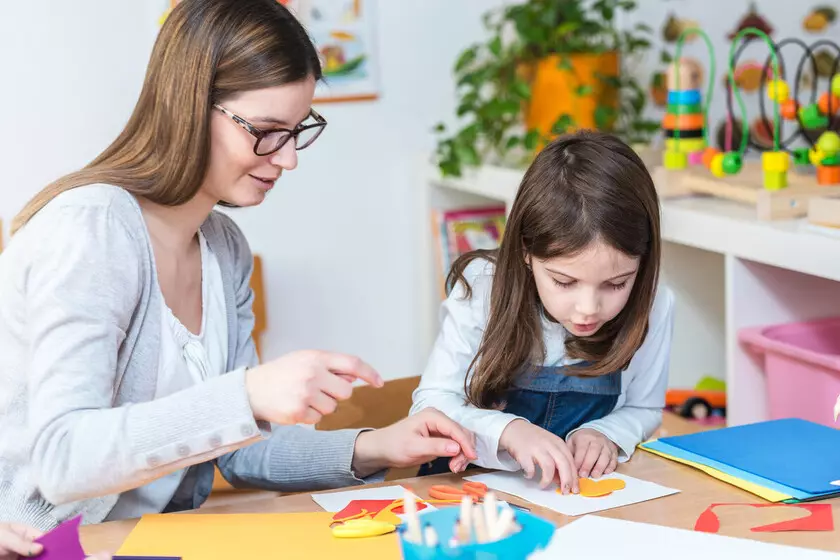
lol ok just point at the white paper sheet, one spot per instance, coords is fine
(572, 504)
(600, 537)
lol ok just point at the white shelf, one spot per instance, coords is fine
(728, 269)
(707, 223)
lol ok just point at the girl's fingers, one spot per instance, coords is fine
(602, 463)
(546, 462)
(592, 455)
(11, 541)
(565, 470)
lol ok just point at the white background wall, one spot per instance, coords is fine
(336, 235)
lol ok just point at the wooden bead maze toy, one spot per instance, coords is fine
(764, 183)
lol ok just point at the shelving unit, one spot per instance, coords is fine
(728, 269)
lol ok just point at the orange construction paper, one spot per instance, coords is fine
(374, 509)
(596, 488)
(820, 519)
(290, 536)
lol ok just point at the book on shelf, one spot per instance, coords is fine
(459, 231)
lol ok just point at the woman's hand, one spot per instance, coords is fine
(18, 541)
(594, 453)
(532, 446)
(301, 387)
(412, 441)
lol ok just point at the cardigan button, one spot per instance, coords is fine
(247, 430)
(215, 441)
(153, 460)
(183, 450)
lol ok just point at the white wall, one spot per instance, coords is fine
(336, 235)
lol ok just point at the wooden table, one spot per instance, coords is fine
(697, 492)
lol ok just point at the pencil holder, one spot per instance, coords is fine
(533, 534)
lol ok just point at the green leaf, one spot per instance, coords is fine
(467, 153)
(465, 59)
(564, 63)
(562, 124)
(440, 127)
(495, 46)
(665, 57)
(644, 28)
(603, 116)
(521, 88)
(512, 142)
(531, 140)
(567, 27)
(580, 91)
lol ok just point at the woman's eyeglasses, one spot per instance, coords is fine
(269, 141)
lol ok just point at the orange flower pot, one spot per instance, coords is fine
(554, 90)
(828, 175)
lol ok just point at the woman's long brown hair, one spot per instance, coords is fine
(581, 187)
(207, 51)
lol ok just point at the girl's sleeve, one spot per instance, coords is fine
(82, 290)
(641, 414)
(462, 323)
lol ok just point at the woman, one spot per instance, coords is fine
(126, 359)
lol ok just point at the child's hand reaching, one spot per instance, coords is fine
(18, 541)
(594, 453)
(532, 446)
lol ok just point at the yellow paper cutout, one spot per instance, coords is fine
(290, 536)
(760, 491)
(596, 488)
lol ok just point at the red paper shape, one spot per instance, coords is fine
(62, 543)
(821, 519)
(372, 507)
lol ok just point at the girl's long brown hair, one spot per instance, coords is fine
(581, 187)
(207, 51)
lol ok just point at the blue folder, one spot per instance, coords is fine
(792, 452)
(659, 445)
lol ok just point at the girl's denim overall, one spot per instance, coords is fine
(554, 401)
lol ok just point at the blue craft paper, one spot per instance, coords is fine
(737, 473)
(791, 451)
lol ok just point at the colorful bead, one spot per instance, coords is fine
(835, 85)
(833, 159)
(732, 163)
(828, 174)
(777, 162)
(680, 109)
(829, 143)
(800, 156)
(675, 160)
(775, 180)
(708, 154)
(695, 158)
(687, 145)
(816, 156)
(778, 90)
(788, 109)
(827, 99)
(716, 166)
(687, 97)
(812, 118)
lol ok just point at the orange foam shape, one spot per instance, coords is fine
(596, 488)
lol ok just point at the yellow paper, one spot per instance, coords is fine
(289, 536)
(760, 491)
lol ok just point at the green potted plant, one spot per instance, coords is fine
(548, 66)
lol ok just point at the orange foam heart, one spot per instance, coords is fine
(596, 488)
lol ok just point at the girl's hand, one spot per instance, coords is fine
(412, 441)
(301, 387)
(18, 540)
(532, 446)
(594, 453)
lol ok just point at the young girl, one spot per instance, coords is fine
(554, 349)
(127, 367)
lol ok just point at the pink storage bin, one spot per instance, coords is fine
(802, 365)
